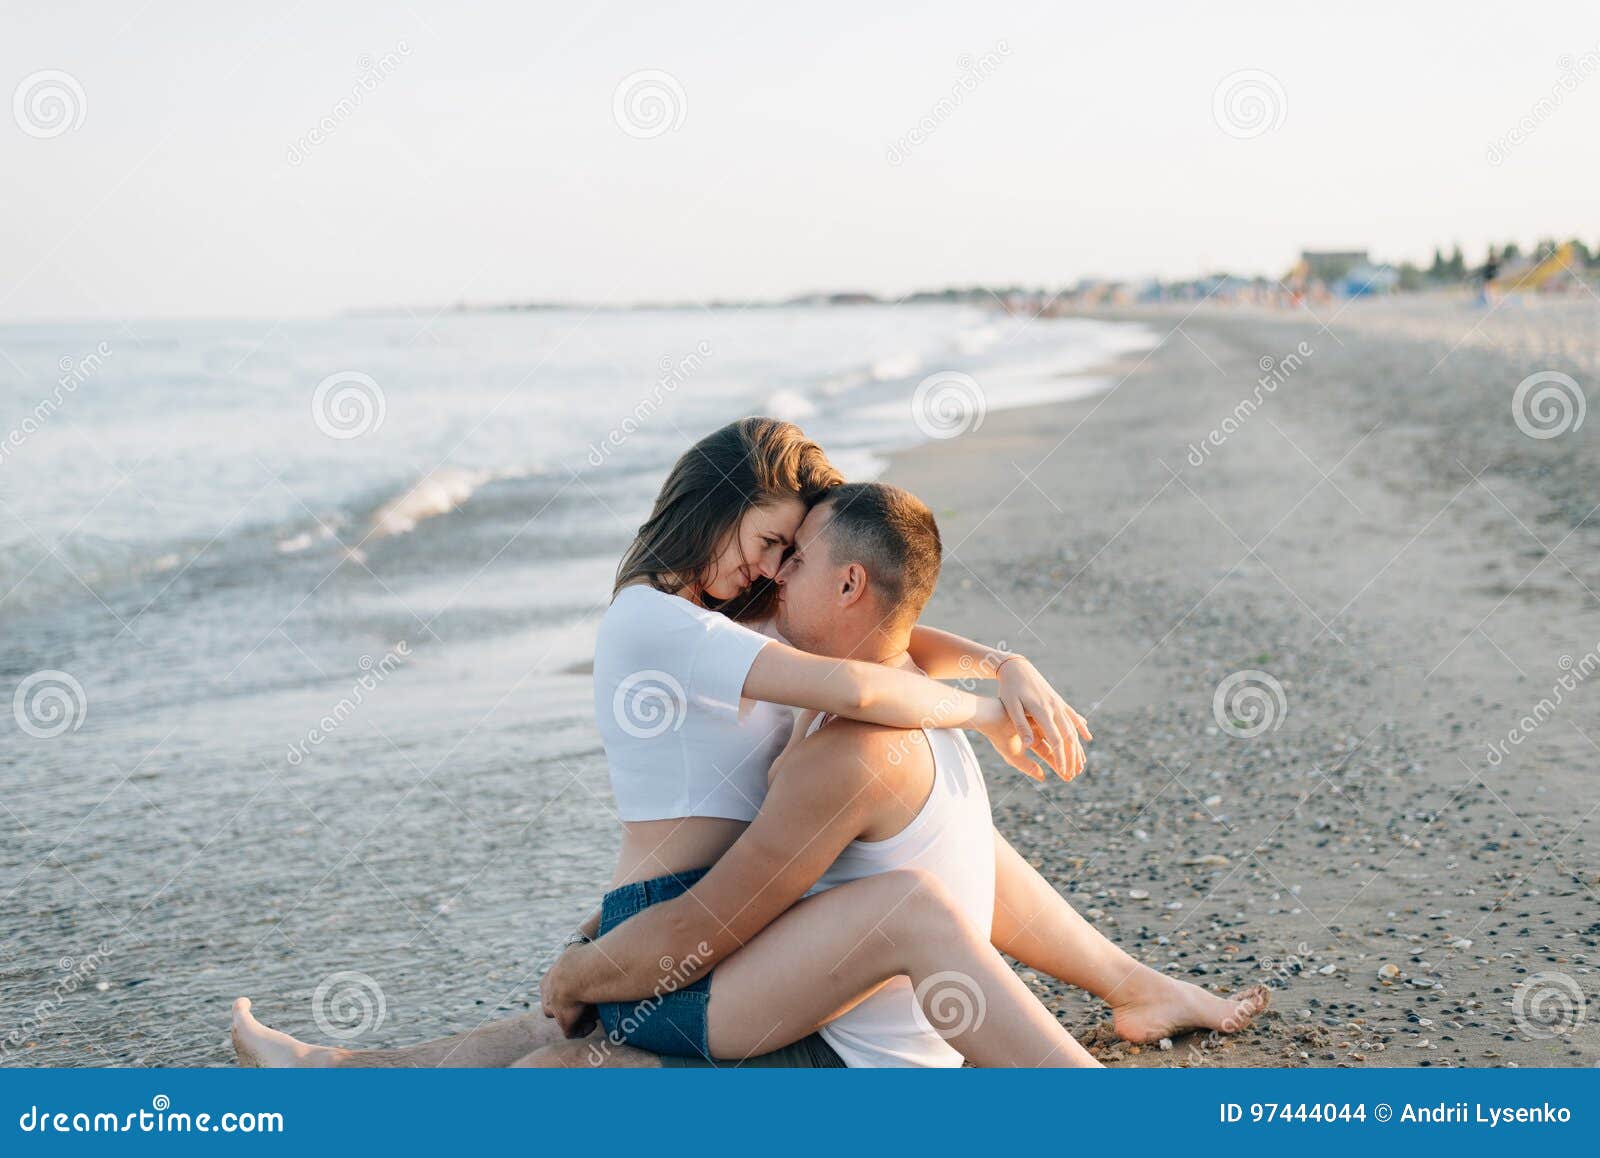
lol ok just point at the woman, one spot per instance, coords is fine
(692, 705)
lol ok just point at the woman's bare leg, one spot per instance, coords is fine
(492, 1045)
(827, 952)
(1034, 924)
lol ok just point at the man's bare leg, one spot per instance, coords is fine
(491, 1045)
(1034, 924)
(592, 1052)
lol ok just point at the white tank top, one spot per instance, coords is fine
(953, 838)
(680, 740)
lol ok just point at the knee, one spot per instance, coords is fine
(922, 902)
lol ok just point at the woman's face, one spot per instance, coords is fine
(755, 549)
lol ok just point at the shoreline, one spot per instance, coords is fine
(1410, 609)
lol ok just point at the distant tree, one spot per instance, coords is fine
(1457, 266)
(1490, 257)
(1511, 252)
(1437, 270)
(1411, 277)
(1545, 248)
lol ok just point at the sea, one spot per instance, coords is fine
(295, 626)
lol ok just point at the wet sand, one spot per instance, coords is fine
(1381, 539)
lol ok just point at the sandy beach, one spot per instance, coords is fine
(1372, 553)
(1381, 539)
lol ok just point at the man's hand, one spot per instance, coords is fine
(576, 1018)
(1003, 735)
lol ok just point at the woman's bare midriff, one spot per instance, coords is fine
(653, 848)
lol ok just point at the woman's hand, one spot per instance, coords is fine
(1030, 700)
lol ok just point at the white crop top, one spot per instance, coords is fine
(680, 740)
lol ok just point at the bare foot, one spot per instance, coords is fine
(257, 1045)
(1159, 1006)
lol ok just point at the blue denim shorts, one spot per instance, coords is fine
(673, 1023)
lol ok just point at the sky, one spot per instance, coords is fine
(881, 147)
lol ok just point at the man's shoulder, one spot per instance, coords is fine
(855, 751)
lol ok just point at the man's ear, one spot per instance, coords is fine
(854, 585)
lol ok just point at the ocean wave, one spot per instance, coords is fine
(896, 366)
(437, 493)
(789, 405)
(976, 340)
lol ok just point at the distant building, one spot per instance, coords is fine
(1329, 266)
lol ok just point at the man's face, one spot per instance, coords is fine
(808, 587)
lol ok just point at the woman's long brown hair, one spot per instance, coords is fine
(746, 464)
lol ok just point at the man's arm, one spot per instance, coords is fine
(825, 795)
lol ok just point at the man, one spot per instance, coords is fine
(849, 800)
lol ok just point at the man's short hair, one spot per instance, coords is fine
(893, 535)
